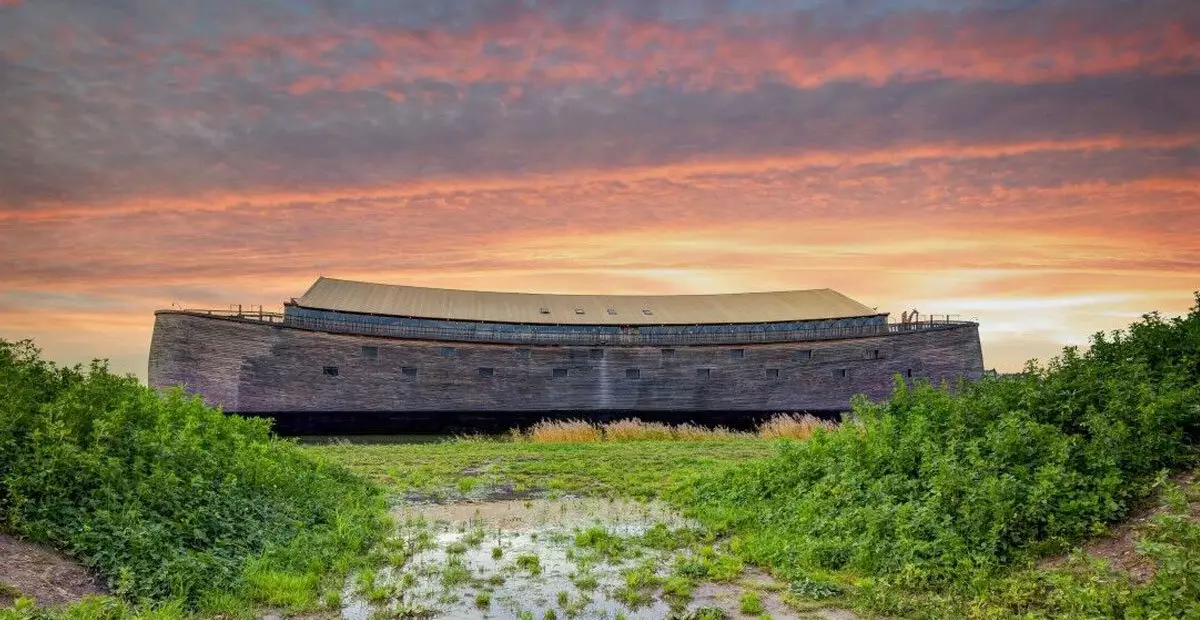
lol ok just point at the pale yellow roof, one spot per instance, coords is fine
(437, 303)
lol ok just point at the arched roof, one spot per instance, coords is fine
(438, 303)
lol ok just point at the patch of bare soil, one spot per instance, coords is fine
(1118, 546)
(31, 570)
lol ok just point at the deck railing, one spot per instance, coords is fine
(481, 333)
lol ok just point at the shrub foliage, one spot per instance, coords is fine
(163, 496)
(943, 487)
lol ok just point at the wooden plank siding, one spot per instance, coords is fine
(252, 367)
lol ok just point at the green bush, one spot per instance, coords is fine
(165, 497)
(944, 486)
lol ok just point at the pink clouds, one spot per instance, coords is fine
(1030, 47)
(1037, 164)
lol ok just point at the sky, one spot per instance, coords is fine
(1033, 165)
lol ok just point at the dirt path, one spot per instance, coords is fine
(1119, 545)
(31, 570)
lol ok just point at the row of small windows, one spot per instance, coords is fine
(596, 354)
(371, 352)
(630, 373)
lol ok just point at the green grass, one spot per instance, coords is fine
(641, 469)
(750, 604)
(530, 563)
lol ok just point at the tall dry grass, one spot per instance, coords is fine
(635, 430)
(793, 426)
(783, 425)
(629, 429)
(563, 431)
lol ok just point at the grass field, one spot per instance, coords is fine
(638, 469)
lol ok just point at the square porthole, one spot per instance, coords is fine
(841, 373)
(802, 355)
(486, 372)
(409, 371)
(596, 354)
(331, 371)
(737, 354)
(560, 373)
(370, 352)
(703, 373)
(772, 373)
(633, 373)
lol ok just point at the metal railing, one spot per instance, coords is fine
(533, 337)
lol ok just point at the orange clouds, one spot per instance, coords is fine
(689, 171)
(1034, 290)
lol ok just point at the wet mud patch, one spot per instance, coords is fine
(489, 493)
(557, 558)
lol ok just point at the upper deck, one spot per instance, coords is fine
(408, 328)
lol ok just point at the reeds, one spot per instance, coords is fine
(793, 426)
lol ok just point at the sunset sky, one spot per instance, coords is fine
(1031, 164)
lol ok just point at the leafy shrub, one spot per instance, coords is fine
(165, 497)
(943, 487)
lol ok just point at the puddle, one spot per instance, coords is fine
(536, 559)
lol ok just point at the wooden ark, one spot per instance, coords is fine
(351, 357)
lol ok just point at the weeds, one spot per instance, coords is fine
(585, 580)
(607, 545)
(455, 572)
(941, 490)
(530, 563)
(750, 603)
(167, 498)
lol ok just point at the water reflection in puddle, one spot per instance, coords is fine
(519, 559)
